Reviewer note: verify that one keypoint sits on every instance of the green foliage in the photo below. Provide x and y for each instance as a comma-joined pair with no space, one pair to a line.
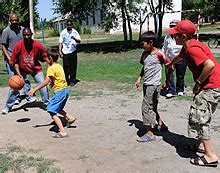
21,7
54,33
2,27
86,30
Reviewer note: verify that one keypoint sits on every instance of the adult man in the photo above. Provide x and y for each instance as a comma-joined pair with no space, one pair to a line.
206,73
25,57
11,35
69,38
171,49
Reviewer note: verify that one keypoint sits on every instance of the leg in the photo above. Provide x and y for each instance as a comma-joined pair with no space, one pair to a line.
12,95
59,124
148,114
70,118
66,67
39,78
180,73
73,66
201,114
171,88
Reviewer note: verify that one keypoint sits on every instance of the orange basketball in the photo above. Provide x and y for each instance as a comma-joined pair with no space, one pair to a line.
16,82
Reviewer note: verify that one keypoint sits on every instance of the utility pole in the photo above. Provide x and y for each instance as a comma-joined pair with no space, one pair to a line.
31,16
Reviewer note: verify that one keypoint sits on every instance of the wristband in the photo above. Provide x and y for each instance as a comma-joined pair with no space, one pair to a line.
198,82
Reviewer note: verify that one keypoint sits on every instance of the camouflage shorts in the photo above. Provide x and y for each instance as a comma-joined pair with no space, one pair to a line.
149,104
201,113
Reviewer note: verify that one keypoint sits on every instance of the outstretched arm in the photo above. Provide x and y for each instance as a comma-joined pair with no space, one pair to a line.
43,84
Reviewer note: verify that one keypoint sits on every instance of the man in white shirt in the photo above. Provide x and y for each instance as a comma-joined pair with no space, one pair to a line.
171,49
69,38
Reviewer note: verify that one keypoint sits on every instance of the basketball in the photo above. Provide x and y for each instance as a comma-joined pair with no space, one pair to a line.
16,82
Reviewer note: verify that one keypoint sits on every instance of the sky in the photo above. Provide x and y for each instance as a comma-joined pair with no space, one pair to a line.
45,9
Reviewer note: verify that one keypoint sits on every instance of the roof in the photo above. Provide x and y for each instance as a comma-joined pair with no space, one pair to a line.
62,18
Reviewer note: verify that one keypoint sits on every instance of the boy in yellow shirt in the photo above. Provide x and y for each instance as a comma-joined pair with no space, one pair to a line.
56,78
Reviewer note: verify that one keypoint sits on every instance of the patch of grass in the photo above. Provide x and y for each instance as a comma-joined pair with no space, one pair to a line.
18,159
83,157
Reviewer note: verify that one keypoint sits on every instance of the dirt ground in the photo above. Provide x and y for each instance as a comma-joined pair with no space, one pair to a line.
103,139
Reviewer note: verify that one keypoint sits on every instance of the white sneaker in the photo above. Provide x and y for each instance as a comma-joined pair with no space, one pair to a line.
5,111
17,101
169,95
31,100
180,94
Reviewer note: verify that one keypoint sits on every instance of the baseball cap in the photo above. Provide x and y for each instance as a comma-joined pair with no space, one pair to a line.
174,22
183,27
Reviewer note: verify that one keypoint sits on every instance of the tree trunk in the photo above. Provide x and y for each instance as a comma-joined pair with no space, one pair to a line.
129,27
124,25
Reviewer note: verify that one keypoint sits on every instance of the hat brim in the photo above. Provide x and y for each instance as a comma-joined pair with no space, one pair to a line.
172,31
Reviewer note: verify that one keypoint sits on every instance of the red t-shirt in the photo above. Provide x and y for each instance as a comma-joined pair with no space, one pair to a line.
195,55
29,61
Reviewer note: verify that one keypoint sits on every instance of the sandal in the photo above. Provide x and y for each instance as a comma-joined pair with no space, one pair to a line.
162,128
69,122
204,162
193,148
146,138
59,135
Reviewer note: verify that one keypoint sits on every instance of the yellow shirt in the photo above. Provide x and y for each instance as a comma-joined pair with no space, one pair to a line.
56,73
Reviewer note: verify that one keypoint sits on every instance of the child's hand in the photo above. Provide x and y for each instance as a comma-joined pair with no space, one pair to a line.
165,85
137,83
51,84
31,92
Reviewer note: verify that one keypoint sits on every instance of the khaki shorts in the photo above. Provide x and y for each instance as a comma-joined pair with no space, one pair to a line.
201,113
149,104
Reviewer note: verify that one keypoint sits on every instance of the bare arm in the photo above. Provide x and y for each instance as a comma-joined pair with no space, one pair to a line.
77,40
43,84
60,49
208,66
174,61
5,52
137,83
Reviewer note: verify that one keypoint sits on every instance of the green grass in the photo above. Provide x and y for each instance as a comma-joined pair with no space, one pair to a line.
18,159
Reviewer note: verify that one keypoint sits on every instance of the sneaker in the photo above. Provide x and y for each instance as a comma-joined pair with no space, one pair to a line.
17,101
180,93
31,100
169,95
5,111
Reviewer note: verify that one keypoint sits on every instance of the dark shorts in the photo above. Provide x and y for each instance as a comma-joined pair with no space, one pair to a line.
58,101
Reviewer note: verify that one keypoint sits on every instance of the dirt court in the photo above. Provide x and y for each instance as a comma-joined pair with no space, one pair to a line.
103,139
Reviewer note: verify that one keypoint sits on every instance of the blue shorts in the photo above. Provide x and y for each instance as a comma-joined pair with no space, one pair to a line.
58,101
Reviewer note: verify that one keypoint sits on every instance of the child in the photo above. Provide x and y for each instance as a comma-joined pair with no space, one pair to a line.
56,78
152,60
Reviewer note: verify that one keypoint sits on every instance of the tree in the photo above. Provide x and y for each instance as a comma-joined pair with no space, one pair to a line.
79,9
21,7
158,8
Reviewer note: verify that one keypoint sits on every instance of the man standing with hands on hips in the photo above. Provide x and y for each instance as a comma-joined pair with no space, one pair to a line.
69,38
206,73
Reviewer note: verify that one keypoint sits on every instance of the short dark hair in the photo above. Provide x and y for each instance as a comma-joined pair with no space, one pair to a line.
52,52
27,29
69,20
148,36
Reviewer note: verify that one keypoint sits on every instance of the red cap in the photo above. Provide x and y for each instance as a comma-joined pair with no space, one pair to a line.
183,27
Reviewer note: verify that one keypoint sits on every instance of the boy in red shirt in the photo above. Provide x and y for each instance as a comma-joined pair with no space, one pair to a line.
206,73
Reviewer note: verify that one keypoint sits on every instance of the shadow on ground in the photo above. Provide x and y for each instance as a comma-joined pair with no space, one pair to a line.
176,140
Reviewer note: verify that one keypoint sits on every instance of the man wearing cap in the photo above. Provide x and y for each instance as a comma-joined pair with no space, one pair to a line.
206,73
171,49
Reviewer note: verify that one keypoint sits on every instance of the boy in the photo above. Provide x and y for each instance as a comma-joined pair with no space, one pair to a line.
56,78
152,60
206,73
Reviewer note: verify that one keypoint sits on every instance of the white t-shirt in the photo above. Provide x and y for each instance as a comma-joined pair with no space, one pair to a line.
69,44
170,48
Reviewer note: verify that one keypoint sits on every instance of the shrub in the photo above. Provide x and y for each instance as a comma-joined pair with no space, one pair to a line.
86,30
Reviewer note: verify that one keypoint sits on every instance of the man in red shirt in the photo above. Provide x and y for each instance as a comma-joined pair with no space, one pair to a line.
26,57
206,73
